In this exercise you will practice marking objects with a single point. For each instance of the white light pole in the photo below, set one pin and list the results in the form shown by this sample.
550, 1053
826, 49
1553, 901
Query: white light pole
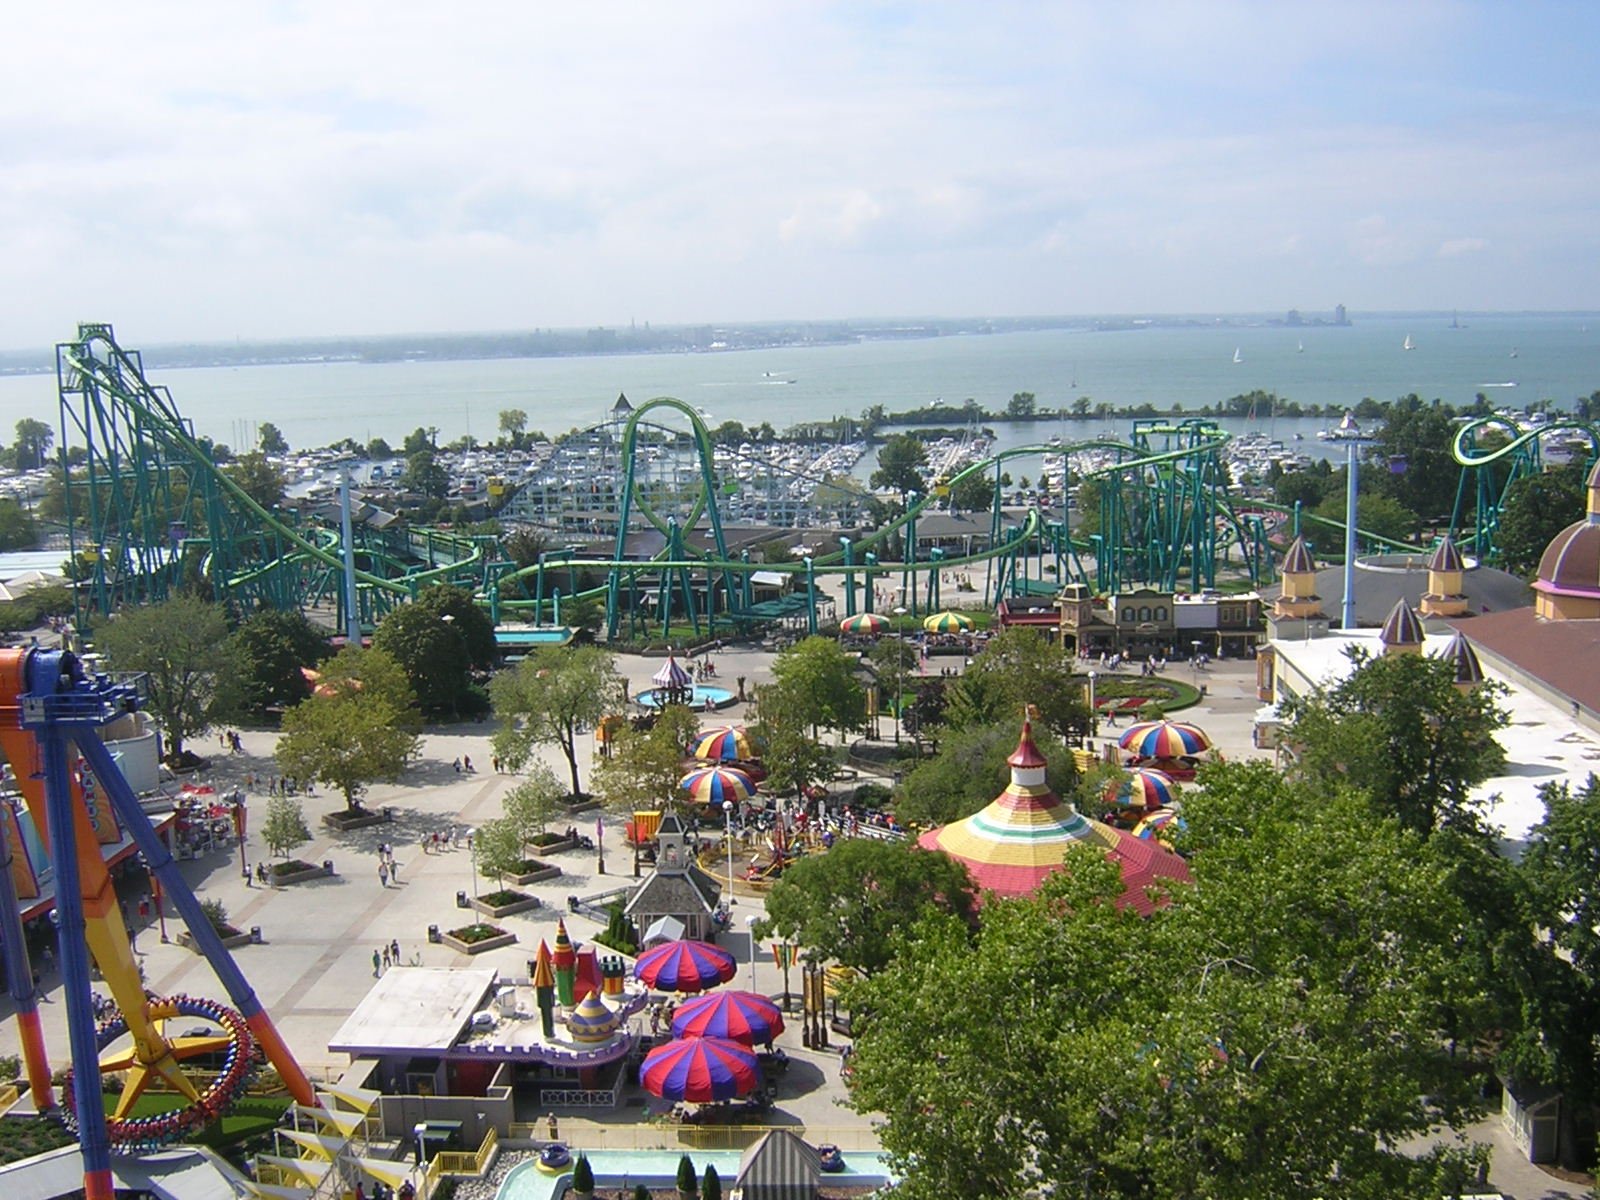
727, 817
750, 923
1194, 662
1094, 712
899, 669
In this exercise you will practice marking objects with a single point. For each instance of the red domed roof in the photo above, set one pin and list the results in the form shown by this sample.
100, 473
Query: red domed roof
1571, 562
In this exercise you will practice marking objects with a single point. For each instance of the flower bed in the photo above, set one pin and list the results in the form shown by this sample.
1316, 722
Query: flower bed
354, 818
232, 938
296, 871
504, 903
532, 870
475, 939
551, 843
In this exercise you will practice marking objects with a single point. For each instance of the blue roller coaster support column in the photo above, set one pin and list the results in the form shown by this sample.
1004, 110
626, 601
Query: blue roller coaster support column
849, 578
746, 587
811, 596
1347, 614
869, 579
935, 557
19, 982
908, 554
73, 949
352, 612
555, 607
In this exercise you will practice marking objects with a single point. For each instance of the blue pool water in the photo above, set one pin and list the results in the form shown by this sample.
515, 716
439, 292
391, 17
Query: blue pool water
659, 1169
719, 697
533, 637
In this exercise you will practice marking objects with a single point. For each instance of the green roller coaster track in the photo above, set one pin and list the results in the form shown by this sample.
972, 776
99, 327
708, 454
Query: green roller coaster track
1487, 472
148, 510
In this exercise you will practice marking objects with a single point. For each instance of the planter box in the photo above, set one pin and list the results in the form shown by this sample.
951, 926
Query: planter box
309, 872
587, 804
344, 821
555, 847
231, 942
505, 910
545, 871
493, 943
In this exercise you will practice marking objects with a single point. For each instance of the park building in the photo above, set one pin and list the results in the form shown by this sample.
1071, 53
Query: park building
1545, 654
1149, 622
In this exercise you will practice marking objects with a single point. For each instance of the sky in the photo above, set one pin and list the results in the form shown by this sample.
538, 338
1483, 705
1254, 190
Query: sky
338, 167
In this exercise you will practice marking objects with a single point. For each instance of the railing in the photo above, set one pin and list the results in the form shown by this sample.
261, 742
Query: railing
9, 1095
475, 1163
582, 1135
578, 1098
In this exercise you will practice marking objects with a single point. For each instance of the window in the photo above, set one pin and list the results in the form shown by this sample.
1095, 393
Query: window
1144, 613
1161, 612
1127, 615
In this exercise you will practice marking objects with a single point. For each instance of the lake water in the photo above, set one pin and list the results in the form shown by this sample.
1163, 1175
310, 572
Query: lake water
1556, 358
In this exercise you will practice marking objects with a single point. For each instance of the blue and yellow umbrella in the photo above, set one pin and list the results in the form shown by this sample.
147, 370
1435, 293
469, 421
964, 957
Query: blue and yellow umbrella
713, 785
728, 744
1164, 739
1146, 788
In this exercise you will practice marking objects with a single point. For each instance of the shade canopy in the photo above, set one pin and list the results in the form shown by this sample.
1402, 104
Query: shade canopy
1028, 833
1145, 788
1164, 739
713, 785
700, 1070
947, 622
672, 675
743, 1017
864, 623
1159, 825
728, 744
684, 966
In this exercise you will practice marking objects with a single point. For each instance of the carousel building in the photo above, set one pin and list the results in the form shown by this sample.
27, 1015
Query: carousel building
1029, 833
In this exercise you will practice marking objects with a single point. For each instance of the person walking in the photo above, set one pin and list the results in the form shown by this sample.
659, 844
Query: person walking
377, 960
383, 874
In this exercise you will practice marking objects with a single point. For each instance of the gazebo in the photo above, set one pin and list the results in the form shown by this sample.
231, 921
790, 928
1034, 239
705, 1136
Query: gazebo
1028, 832
672, 683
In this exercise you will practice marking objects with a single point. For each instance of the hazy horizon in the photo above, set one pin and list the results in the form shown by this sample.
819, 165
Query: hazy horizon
297, 170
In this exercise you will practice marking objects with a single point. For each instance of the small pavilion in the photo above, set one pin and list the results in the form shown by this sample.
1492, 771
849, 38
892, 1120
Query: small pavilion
1028, 832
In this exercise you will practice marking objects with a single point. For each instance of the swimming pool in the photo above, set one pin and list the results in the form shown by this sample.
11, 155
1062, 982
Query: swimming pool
719, 697
512, 638
659, 1169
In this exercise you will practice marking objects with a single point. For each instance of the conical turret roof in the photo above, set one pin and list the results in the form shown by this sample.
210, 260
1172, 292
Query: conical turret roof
1446, 557
1460, 654
1402, 627
1297, 560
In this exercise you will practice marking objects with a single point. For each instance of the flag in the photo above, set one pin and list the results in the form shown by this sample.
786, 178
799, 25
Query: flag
785, 954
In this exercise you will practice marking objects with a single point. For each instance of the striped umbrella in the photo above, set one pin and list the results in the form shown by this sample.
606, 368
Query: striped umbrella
947, 622
713, 785
743, 1017
1145, 788
864, 623
1164, 739
684, 966
700, 1070
671, 675
728, 744
1159, 825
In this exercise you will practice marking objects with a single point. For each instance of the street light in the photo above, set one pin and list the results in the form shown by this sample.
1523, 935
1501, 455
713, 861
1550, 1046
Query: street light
1194, 662
1094, 712
727, 817
750, 923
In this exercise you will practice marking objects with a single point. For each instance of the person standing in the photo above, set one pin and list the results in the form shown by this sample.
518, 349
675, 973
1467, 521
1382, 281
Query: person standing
383, 874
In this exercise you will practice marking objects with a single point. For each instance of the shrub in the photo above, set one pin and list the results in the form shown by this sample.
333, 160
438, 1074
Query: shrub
711, 1184
218, 916
480, 932
502, 898
686, 1175
640, 1192
583, 1176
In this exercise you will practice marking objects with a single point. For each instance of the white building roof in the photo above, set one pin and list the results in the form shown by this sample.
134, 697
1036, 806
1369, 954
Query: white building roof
414, 1008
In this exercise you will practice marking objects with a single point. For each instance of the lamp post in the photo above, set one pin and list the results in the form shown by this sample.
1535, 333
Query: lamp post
750, 923
1094, 711
727, 818
1194, 662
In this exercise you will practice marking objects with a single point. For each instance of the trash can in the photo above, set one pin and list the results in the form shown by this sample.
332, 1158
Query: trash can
255, 934
461, 900
327, 865
572, 904
433, 935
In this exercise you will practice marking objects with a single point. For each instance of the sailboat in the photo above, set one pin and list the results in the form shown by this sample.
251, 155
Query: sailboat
1299, 347
1408, 345
1237, 357
1513, 352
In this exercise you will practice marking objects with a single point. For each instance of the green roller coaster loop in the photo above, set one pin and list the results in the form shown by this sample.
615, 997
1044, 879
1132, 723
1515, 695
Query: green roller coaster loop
149, 504
1488, 473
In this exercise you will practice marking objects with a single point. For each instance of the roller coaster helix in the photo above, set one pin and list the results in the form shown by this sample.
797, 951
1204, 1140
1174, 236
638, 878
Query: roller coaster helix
1495, 452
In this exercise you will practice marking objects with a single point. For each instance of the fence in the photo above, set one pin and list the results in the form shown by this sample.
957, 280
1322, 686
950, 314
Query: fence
463, 1162
583, 1135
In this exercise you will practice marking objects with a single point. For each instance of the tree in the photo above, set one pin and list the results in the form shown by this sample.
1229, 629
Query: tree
284, 830
1382, 515
552, 694
258, 478
794, 760
643, 768
433, 653
1298, 984
900, 465
970, 770
17, 528
273, 648
379, 448
1019, 670
1021, 407
523, 547
420, 440
359, 728
534, 801
424, 474
34, 439
183, 649
972, 493
512, 423
497, 848
582, 1177
1561, 993
1418, 436
1536, 508
1398, 729
711, 1184
893, 659
271, 440
685, 1175
821, 679
852, 903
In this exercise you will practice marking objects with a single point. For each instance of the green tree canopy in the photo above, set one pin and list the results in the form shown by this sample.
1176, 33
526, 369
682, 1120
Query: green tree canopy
497, 848
1018, 670
1537, 507
18, 531
183, 648
535, 801
1375, 513
271, 439
853, 902
901, 464
284, 831
1398, 729
970, 770
793, 758
821, 680
1420, 434
260, 480
273, 648
643, 768
34, 439
1271, 1033
358, 729
551, 695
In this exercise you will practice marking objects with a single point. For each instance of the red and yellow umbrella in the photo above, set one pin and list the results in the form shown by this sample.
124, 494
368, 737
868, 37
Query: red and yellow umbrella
1164, 739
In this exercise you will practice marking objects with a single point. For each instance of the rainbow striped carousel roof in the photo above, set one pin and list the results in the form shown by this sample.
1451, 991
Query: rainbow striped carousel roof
1028, 831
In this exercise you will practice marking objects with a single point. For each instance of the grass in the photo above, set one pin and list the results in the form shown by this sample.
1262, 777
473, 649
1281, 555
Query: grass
249, 1117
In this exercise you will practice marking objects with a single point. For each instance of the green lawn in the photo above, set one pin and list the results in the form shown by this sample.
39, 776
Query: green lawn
250, 1116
